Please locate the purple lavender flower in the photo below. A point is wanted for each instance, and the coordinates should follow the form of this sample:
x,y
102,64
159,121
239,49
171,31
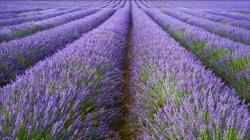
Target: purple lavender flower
x,y
18,55
18,20
175,96
230,15
234,33
69,95
21,30
224,56
218,18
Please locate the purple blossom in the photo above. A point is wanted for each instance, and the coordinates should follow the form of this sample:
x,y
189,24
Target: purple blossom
x,y
58,96
230,15
21,30
222,55
18,20
18,55
218,18
165,108
82,89
234,33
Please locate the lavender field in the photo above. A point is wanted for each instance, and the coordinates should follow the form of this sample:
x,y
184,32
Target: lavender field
x,y
124,69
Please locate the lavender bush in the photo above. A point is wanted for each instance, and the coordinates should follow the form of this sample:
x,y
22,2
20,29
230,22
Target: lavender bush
x,y
234,33
228,59
8,15
75,94
29,13
18,55
124,72
18,20
21,10
21,30
230,15
218,18
175,96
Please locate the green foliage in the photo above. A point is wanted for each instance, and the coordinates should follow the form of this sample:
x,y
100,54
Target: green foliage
x,y
225,22
206,135
35,135
86,81
236,67
24,33
88,105
100,74
198,48
21,59
216,54
232,135
16,97
207,117
24,61
144,76
2,68
52,89
6,127
240,63
180,36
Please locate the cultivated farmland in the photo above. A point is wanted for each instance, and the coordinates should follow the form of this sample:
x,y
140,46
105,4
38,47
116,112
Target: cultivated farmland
x,y
124,69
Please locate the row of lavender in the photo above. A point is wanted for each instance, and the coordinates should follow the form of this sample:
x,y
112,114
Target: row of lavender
x,y
228,59
9,18
21,30
175,96
215,22
231,9
23,14
226,17
231,32
76,93
18,20
230,15
49,14
31,6
218,18
18,55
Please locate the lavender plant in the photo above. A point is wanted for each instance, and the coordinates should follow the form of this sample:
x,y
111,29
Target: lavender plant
x,y
18,55
21,30
20,10
8,15
234,33
218,18
230,15
29,13
239,11
75,94
228,59
18,20
175,96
